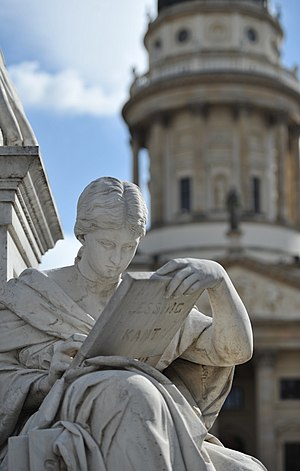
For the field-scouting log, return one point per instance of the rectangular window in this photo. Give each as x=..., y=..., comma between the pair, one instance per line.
x=290, y=388
x=291, y=456
x=185, y=194
x=256, y=194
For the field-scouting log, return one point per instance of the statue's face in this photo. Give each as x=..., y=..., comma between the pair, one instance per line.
x=108, y=252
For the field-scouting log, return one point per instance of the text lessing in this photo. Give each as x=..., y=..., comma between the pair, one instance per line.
x=174, y=308
x=156, y=309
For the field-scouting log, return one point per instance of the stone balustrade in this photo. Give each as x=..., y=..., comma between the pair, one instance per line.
x=215, y=65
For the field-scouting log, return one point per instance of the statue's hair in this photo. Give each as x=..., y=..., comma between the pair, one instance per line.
x=109, y=203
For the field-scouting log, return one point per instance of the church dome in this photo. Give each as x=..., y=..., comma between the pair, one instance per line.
x=162, y=4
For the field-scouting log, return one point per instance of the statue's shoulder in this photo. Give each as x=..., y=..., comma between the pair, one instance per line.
x=52, y=274
x=31, y=281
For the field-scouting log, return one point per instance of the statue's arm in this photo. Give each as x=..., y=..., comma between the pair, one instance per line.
x=227, y=340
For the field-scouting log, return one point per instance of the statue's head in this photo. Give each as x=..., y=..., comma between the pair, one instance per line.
x=109, y=203
x=111, y=220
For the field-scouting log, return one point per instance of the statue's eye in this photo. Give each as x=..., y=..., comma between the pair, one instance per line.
x=105, y=243
x=129, y=247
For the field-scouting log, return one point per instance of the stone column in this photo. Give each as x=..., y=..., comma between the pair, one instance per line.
x=271, y=192
x=168, y=174
x=156, y=148
x=135, y=146
x=244, y=157
x=238, y=139
x=282, y=154
x=200, y=178
x=295, y=174
x=264, y=372
x=164, y=152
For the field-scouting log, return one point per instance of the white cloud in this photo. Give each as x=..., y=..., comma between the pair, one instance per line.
x=62, y=255
x=91, y=43
x=64, y=91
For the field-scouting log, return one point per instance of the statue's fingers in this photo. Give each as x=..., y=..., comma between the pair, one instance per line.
x=171, y=266
x=197, y=286
x=177, y=280
x=185, y=285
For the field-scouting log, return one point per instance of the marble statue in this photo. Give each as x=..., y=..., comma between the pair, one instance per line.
x=14, y=126
x=114, y=412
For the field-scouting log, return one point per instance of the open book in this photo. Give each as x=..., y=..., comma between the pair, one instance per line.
x=138, y=321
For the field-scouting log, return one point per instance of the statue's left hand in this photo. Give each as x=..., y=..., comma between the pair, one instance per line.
x=190, y=275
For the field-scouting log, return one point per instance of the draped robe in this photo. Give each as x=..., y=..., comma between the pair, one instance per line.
x=85, y=422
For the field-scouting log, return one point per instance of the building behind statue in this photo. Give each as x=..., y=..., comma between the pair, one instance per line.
x=220, y=118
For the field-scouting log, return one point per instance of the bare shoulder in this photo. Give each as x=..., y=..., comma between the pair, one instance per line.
x=61, y=273
x=66, y=278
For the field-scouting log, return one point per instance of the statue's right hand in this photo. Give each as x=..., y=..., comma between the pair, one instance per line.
x=64, y=352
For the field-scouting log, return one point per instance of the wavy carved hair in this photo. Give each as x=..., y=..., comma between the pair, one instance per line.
x=109, y=203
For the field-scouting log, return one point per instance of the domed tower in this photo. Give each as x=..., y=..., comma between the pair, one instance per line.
x=219, y=115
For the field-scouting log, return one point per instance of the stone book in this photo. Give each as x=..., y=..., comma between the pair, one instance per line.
x=138, y=322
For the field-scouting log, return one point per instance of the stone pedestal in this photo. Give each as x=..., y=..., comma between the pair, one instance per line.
x=29, y=223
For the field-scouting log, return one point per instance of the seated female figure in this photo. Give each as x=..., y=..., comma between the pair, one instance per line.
x=115, y=413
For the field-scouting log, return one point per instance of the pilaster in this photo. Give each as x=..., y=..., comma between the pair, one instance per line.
x=157, y=145
x=201, y=115
x=282, y=157
x=264, y=372
x=294, y=182
x=135, y=146
x=244, y=157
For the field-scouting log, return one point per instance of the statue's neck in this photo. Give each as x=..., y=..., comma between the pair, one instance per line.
x=97, y=284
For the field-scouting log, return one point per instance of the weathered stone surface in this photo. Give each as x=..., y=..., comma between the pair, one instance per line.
x=115, y=409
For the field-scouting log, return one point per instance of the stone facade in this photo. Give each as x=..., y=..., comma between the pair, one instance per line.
x=29, y=225
x=29, y=222
x=218, y=111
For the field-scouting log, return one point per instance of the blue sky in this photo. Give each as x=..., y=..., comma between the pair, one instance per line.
x=71, y=63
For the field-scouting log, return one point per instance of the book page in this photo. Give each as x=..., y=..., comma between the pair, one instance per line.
x=139, y=321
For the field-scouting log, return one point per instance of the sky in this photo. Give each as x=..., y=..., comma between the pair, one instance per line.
x=71, y=62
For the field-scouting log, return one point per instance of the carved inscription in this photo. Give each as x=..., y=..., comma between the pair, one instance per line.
x=153, y=309
x=133, y=335
x=174, y=308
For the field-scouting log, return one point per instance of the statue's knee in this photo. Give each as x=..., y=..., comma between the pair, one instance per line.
x=118, y=388
x=140, y=393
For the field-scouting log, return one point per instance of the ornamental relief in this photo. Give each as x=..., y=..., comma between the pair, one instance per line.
x=218, y=31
